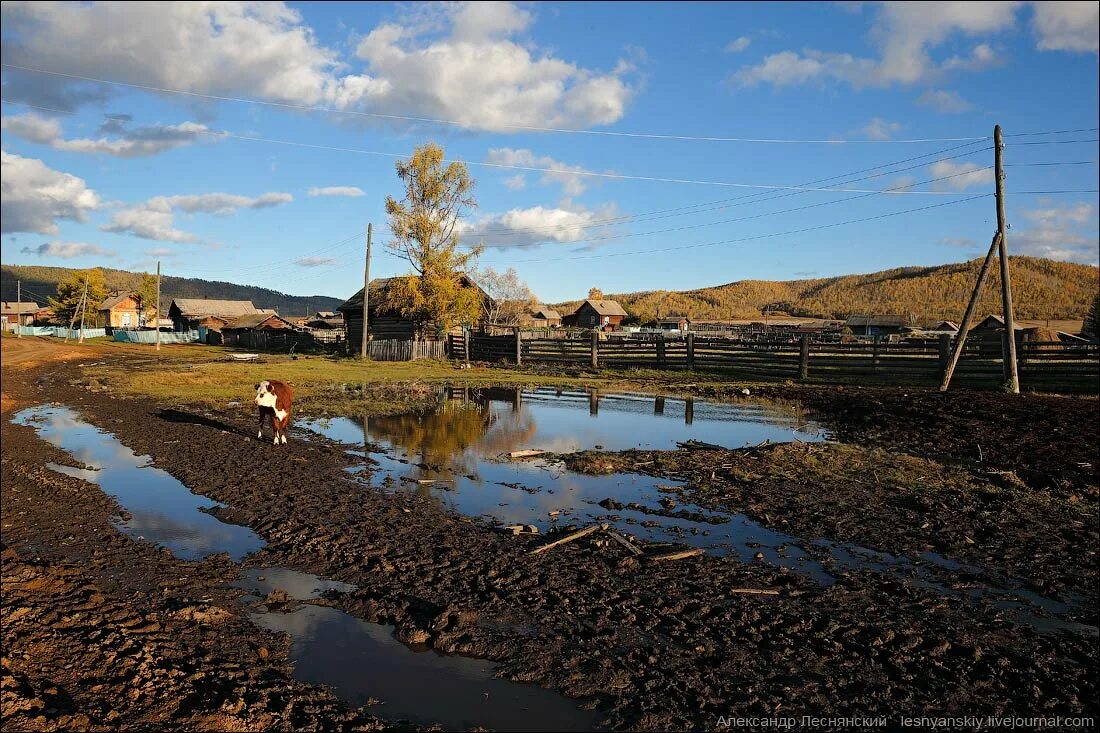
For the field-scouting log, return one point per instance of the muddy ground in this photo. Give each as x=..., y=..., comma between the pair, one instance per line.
x=103, y=630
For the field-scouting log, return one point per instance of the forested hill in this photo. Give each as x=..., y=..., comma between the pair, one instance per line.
x=1042, y=289
x=40, y=282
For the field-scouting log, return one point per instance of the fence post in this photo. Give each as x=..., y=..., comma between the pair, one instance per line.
x=660, y=351
x=691, y=351
x=595, y=350
x=451, y=345
x=466, y=344
x=519, y=347
x=1006, y=362
x=804, y=357
x=874, y=357
x=945, y=351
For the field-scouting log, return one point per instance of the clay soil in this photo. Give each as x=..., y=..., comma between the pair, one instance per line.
x=101, y=631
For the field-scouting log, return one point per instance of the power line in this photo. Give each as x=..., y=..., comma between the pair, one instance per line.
x=1058, y=142
x=765, y=214
x=442, y=121
x=1053, y=163
x=761, y=236
x=1052, y=132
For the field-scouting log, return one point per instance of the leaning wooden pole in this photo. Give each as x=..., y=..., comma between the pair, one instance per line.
x=156, y=320
x=1012, y=373
x=364, y=347
x=968, y=317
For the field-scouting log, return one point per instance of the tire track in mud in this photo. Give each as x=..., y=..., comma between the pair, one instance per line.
x=655, y=646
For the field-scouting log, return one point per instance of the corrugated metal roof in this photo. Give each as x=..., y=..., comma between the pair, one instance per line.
x=11, y=307
x=547, y=313
x=254, y=320
x=197, y=307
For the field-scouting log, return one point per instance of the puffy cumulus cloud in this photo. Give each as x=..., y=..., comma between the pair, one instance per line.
x=151, y=220
x=963, y=175
x=944, y=101
x=480, y=76
x=68, y=250
x=136, y=143
x=464, y=62
x=315, y=261
x=538, y=225
x=1060, y=232
x=225, y=48
x=336, y=191
x=35, y=196
x=573, y=179
x=1067, y=26
x=904, y=34
x=155, y=218
x=880, y=129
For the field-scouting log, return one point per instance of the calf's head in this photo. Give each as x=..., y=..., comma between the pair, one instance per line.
x=265, y=394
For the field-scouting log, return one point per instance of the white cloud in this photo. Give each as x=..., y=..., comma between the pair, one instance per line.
x=515, y=183
x=315, y=261
x=904, y=34
x=1058, y=232
x=522, y=228
x=151, y=220
x=68, y=250
x=465, y=62
x=336, y=191
x=965, y=175
x=34, y=196
x=136, y=143
x=572, y=178
x=738, y=45
x=880, y=129
x=944, y=101
x=160, y=252
x=155, y=218
x=1067, y=26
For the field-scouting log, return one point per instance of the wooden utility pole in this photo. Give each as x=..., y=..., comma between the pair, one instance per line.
x=83, y=309
x=1012, y=375
x=964, y=328
x=364, y=348
x=19, y=309
x=156, y=318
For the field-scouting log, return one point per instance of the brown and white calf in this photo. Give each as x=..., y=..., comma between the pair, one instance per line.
x=274, y=398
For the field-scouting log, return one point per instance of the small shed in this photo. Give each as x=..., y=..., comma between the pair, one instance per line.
x=251, y=331
x=17, y=312
x=190, y=313
x=674, y=323
x=876, y=325
x=605, y=315
x=994, y=323
x=544, y=317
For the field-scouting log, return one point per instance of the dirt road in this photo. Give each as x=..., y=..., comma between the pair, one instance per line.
x=101, y=630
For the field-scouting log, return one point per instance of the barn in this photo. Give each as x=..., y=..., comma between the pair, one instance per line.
x=190, y=313
x=254, y=331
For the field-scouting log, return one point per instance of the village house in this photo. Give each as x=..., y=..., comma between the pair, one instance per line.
x=674, y=323
x=387, y=323
x=121, y=311
x=876, y=325
x=191, y=313
x=13, y=313
x=604, y=315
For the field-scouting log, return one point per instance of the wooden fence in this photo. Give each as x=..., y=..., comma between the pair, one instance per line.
x=1053, y=366
x=406, y=350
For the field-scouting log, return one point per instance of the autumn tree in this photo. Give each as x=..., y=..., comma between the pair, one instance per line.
x=424, y=223
x=510, y=296
x=595, y=294
x=146, y=295
x=1091, y=326
x=70, y=292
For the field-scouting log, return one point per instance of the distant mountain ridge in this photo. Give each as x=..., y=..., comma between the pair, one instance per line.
x=41, y=282
x=1042, y=289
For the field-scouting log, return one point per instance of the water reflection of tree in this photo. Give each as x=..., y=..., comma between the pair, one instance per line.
x=457, y=433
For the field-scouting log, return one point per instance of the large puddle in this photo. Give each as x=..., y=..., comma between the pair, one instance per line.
x=362, y=662
x=457, y=455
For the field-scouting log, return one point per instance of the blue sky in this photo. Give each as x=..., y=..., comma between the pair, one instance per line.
x=240, y=149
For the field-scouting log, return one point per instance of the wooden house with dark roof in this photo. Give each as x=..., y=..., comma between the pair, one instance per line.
x=385, y=322
x=189, y=313
x=604, y=315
